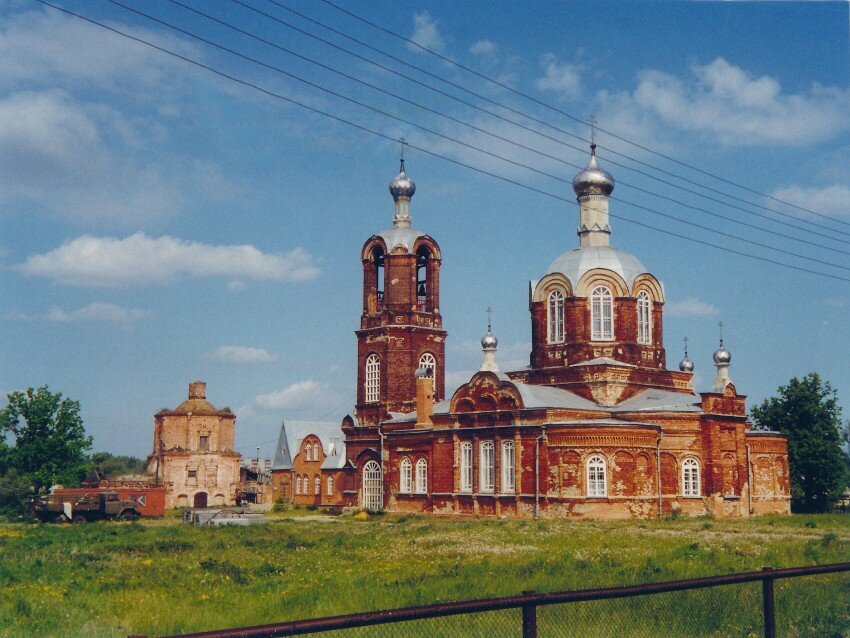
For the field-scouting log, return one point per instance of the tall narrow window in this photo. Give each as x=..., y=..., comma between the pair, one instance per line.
x=466, y=467
x=428, y=362
x=556, y=317
x=596, y=484
x=373, y=378
x=330, y=486
x=508, y=467
x=317, y=485
x=690, y=478
x=488, y=468
x=204, y=444
x=298, y=484
x=405, y=479
x=421, y=476
x=644, y=318
x=373, y=487
x=601, y=314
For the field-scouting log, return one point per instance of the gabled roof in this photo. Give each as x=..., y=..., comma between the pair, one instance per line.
x=292, y=433
x=544, y=396
x=660, y=401
x=601, y=361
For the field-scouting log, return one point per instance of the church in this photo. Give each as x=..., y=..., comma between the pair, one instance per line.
x=595, y=426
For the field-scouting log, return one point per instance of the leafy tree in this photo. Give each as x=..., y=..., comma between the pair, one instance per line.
x=49, y=440
x=807, y=411
x=111, y=467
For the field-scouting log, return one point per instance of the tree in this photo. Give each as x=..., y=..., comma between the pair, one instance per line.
x=49, y=440
x=807, y=411
x=112, y=467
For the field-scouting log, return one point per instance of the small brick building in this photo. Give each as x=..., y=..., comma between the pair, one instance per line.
x=595, y=426
x=308, y=466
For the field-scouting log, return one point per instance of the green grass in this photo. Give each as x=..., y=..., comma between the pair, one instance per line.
x=163, y=577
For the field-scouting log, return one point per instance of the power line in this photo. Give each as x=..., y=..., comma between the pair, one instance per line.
x=456, y=141
x=497, y=136
x=427, y=151
x=572, y=117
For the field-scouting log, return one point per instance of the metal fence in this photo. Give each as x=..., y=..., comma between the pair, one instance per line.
x=798, y=602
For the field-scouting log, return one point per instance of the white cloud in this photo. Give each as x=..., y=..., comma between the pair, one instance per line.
x=98, y=311
x=241, y=355
x=729, y=103
x=139, y=259
x=236, y=285
x=486, y=48
x=425, y=33
x=298, y=395
x=691, y=307
x=564, y=79
x=829, y=200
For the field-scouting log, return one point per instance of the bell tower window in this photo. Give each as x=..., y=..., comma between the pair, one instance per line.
x=556, y=317
x=378, y=259
x=373, y=378
x=423, y=283
x=644, y=318
x=429, y=363
x=601, y=314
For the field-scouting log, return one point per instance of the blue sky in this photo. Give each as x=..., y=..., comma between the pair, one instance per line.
x=159, y=224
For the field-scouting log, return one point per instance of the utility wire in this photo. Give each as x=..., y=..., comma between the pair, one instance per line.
x=425, y=150
x=572, y=117
x=495, y=135
x=532, y=118
x=456, y=141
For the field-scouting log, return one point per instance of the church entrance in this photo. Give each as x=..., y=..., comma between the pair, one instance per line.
x=373, y=487
x=201, y=499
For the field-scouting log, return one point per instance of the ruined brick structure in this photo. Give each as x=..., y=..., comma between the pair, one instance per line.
x=595, y=426
x=193, y=455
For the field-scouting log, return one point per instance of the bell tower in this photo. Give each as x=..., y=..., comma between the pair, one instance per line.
x=401, y=329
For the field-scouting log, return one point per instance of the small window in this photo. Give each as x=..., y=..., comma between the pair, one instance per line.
x=644, y=318
x=555, y=316
x=204, y=443
x=373, y=378
x=508, y=467
x=421, y=476
x=192, y=474
x=690, y=478
x=466, y=467
x=298, y=484
x=330, y=486
x=488, y=468
x=601, y=314
x=596, y=483
x=317, y=485
x=429, y=363
x=406, y=474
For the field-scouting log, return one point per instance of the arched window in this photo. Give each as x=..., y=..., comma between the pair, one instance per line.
x=596, y=483
x=308, y=452
x=373, y=378
x=466, y=467
x=601, y=314
x=406, y=476
x=373, y=487
x=330, y=486
x=488, y=468
x=690, y=478
x=644, y=318
x=298, y=484
x=423, y=256
x=378, y=259
x=421, y=476
x=317, y=485
x=428, y=362
x=508, y=467
x=556, y=317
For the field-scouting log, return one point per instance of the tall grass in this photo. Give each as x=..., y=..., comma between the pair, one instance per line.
x=163, y=577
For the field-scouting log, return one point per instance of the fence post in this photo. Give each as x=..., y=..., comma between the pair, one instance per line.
x=768, y=603
x=529, y=618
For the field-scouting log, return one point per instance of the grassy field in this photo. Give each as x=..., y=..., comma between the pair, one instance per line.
x=163, y=577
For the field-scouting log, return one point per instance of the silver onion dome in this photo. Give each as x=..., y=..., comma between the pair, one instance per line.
x=489, y=341
x=722, y=355
x=686, y=365
x=593, y=180
x=402, y=185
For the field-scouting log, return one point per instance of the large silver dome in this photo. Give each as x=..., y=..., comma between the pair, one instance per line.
x=402, y=185
x=593, y=180
x=574, y=263
x=686, y=365
x=722, y=355
x=489, y=341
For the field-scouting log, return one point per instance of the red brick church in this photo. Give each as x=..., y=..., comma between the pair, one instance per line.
x=596, y=425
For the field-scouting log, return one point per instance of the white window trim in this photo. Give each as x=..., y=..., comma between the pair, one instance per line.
x=487, y=478
x=691, y=488
x=555, y=317
x=317, y=485
x=508, y=467
x=466, y=467
x=373, y=378
x=330, y=486
x=592, y=466
x=429, y=362
x=601, y=326
x=644, y=318
x=298, y=484
x=405, y=476
x=421, y=476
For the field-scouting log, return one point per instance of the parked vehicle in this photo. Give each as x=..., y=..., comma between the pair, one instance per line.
x=91, y=506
